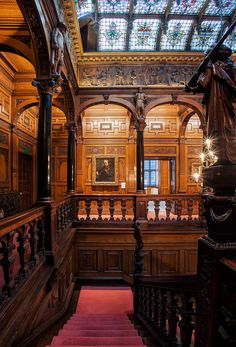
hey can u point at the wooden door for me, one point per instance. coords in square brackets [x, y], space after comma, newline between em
[25, 176]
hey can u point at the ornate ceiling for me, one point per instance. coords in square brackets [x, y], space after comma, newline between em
[154, 25]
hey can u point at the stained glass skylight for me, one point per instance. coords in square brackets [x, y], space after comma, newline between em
[205, 35]
[144, 34]
[150, 6]
[228, 6]
[112, 34]
[231, 40]
[189, 7]
[111, 6]
[154, 25]
[83, 7]
[176, 35]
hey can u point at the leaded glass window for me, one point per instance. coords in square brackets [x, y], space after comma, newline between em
[111, 6]
[214, 8]
[176, 35]
[187, 7]
[144, 34]
[150, 6]
[231, 40]
[206, 35]
[151, 173]
[84, 7]
[112, 34]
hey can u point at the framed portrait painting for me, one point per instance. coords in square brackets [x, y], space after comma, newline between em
[105, 170]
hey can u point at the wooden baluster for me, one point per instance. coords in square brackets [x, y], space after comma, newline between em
[190, 209]
[40, 234]
[142, 301]
[186, 323]
[32, 242]
[164, 312]
[200, 211]
[178, 209]
[123, 209]
[112, 208]
[99, 207]
[62, 217]
[21, 250]
[5, 263]
[159, 308]
[173, 318]
[88, 208]
[157, 209]
[58, 221]
[168, 209]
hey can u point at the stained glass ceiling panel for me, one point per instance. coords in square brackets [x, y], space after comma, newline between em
[154, 25]
[205, 35]
[144, 34]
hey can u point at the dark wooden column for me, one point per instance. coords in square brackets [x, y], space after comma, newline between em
[71, 158]
[140, 125]
[45, 89]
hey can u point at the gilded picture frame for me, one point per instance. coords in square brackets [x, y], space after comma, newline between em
[105, 170]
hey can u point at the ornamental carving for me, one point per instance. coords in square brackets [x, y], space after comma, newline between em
[116, 150]
[45, 86]
[3, 138]
[57, 49]
[194, 151]
[118, 75]
[95, 150]
[160, 150]
[25, 147]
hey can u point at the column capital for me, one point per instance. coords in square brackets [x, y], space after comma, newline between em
[46, 85]
[71, 126]
[140, 123]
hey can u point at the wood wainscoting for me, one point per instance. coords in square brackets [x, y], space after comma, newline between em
[107, 252]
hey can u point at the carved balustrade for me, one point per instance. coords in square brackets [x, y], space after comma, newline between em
[104, 208]
[21, 248]
[172, 208]
[166, 307]
[159, 209]
[64, 215]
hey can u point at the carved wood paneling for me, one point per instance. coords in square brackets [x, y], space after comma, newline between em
[161, 127]
[190, 261]
[5, 108]
[4, 165]
[160, 150]
[103, 127]
[168, 262]
[119, 75]
[113, 261]
[88, 261]
[27, 122]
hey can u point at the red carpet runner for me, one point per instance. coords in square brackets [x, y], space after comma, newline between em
[100, 320]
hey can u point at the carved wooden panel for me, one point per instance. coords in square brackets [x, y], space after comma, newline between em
[119, 75]
[3, 139]
[147, 262]
[193, 128]
[3, 165]
[27, 122]
[5, 102]
[105, 127]
[95, 150]
[160, 150]
[113, 261]
[194, 151]
[121, 150]
[168, 262]
[25, 147]
[190, 261]
[88, 261]
[61, 169]
[161, 127]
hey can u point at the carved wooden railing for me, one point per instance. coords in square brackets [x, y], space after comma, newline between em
[158, 209]
[172, 208]
[104, 208]
[21, 248]
[64, 215]
[166, 307]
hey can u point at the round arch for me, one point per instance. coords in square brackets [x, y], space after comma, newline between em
[110, 100]
[194, 105]
[11, 45]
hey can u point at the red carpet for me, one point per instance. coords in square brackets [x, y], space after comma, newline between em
[100, 320]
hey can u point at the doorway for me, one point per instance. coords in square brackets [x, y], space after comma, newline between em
[159, 175]
[25, 180]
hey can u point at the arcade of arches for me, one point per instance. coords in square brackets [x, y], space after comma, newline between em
[61, 119]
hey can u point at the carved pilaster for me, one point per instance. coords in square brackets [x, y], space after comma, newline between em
[71, 157]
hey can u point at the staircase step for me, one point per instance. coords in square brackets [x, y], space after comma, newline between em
[97, 333]
[96, 345]
[100, 326]
[97, 341]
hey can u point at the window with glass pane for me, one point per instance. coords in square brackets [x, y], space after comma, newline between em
[116, 6]
[150, 6]
[206, 35]
[191, 7]
[214, 9]
[176, 35]
[144, 34]
[83, 7]
[231, 40]
[151, 173]
[112, 34]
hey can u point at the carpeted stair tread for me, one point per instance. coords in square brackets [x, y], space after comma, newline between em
[97, 341]
[98, 333]
[96, 345]
[100, 326]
